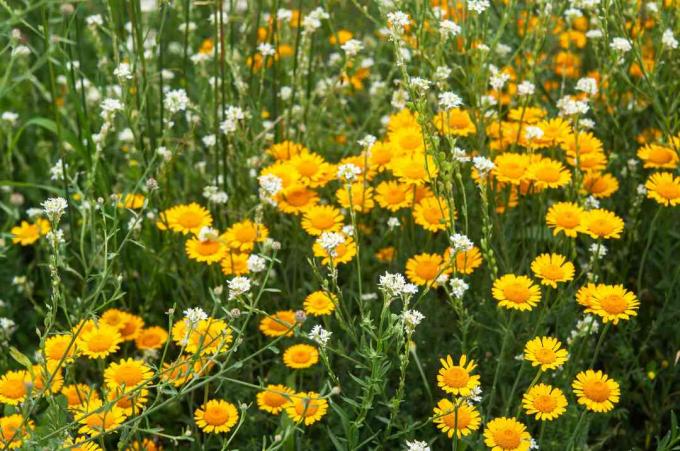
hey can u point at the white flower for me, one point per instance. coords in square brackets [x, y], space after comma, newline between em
[232, 116]
[442, 279]
[109, 108]
[449, 100]
[483, 165]
[55, 237]
[266, 49]
[595, 33]
[441, 73]
[598, 250]
[54, 208]
[256, 263]
[587, 85]
[393, 222]
[57, 171]
[475, 395]
[320, 335]
[533, 132]
[164, 153]
[367, 141]
[502, 49]
[641, 190]
[411, 319]
[34, 212]
[460, 155]
[591, 203]
[410, 289]
[348, 172]
[420, 84]
[285, 93]
[94, 20]
[458, 287]
[569, 106]
[208, 234]
[449, 28]
[312, 21]
[478, 6]
[352, 47]
[193, 316]
[176, 101]
[621, 45]
[526, 88]
[329, 241]
[668, 40]
[416, 445]
[398, 20]
[586, 123]
[209, 140]
[215, 195]
[498, 80]
[460, 243]
[238, 286]
[348, 230]
[572, 13]
[392, 284]
[399, 99]
[123, 71]
[10, 117]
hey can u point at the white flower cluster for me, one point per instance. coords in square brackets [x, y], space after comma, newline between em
[57, 171]
[668, 40]
[348, 172]
[587, 325]
[498, 80]
[176, 100]
[238, 286]
[312, 21]
[449, 100]
[367, 141]
[483, 165]
[478, 6]
[352, 47]
[394, 285]
[193, 316]
[54, 208]
[398, 21]
[598, 250]
[526, 88]
[270, 185]
[533, 132]
[329, 241]
[587, 85]
[449, 28]
[417, 445]
[460, 243]
[458, 287]
[215, 195]
[621, 45]
[320, 335]
[208, 234]
[123, 71]
[256, 263]
[411, 319]
[232, 116]
[569, 106]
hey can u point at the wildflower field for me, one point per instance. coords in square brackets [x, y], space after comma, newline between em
[339, 225]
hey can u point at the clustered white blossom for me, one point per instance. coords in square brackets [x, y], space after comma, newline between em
[458, 287]
[533, 132]
[460, 243]
[238, 286]
[123, 71]
[176, 100]
[587, 85]
[411, 319]
[10, 117]
[320, 335]
[449, 100]
[193, 316]
[598, 250]
[622, 45]
[54, 208]
[526, 88]
[232, 116]
[483, 165]
[398, 21]
[7, 328]
[208, 234]
[348, 172]
[417, 445]
[329, 241]
[266, 49]
[498, 80]
[367, 141]
[256, 263]
[215, 195]
[478, 6]
[394, 285]
[399, 98]
[570, 106]
[352, 47]
[668, 40]
[57, 171]
[393, 222]
[449, 28]
[584, 326]
[312, 21]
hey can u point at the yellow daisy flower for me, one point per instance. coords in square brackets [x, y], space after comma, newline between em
[243, 235]
[545, 352]
[13, 431]
[274, 398]
[186, 219]
[99, 341]
[462, 421]
[552, 268]
[306, 407]
[506, 434]
[320, 303]
[97, 419]
[279, 324]
[432, 214]
[393, 195]
[602, 223]
[596, 390]
[423, 269]
[566, 217]
[613, 303]
[516, 292]
[545, 402]
[322, 218]
[216, 416]
[457, 378]
[664, 188]
[300, 356]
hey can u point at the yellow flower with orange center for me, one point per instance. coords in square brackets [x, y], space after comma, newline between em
[454, 122]
[300, 356]
[552, 269]
[596, 390]
[186, 219]
[322, 218]
[462, 419]
[457, 379]
[566, 217]
[424, 269]
[393, 195]
[279, 324]
[613, 303]
[216, 416]
[320, 303]
[664, 188]
[545, 352]
[274, 398]
[545, 402]
[507, 434]
[306, 407]
[516, 292]
[432, 214]
[658, 156]
[602, 224]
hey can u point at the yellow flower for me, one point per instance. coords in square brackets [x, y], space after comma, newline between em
[566, 217]
[423, 269]
[406, 141]
[313, 170]
[285, 150]
[511, 168]
[13, 431]
[14, 387]
[99, 341]
[506, 434]
[544, 401]
[132, 325]
[322, 218]
[415, 169]
[234, 263]
[296, 198]
[243, 235]
[552, 268]
[216, 416]
[320, 303]
[457, 379]
[462, 421]
[602, 223]
[432, 214]
[466, 261]
[153, 337]
[131, 201]
[358, 197]
[50, 372]
[26, 234]
[300, 356]
[209, 250]
[613, 303]
[131, 402]
[554, 132]
[186, 219]
[600, 185]
[548, 173]
[274, 398]
[279, 324]
[664, 188]
[79, 396]
[596, 390]
[454, 122]
[208, 336]
[545, 352]
[403, 119]
[516, 292]
[393, 195]
[60, 347]
[185, 368]
[306, 407]
[80, 443]
[380, 155]
[128, 374]
[658, 156]
[97, 419]
[526, 114]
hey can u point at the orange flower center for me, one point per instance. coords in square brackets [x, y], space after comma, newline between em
[301, 356]
[433, 215]
[216, 415]
[322, 221]
[99, 342]
[545, 355]
[101, 421]
[427, 270]
[516, 292]
[507, 438]
[128, 375]
[545, 403]
[280, 324]
[245, 234]
[614, 304]
[552, 271]
[668, 190]
[598, 391]
[568, 219]
[548, 174]
[458, 420]
[208, 247]
[659, 155]
[189, 220]
[456, 377]
[274, 399]
[306, 407]
[307, 168]
[15, 389]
